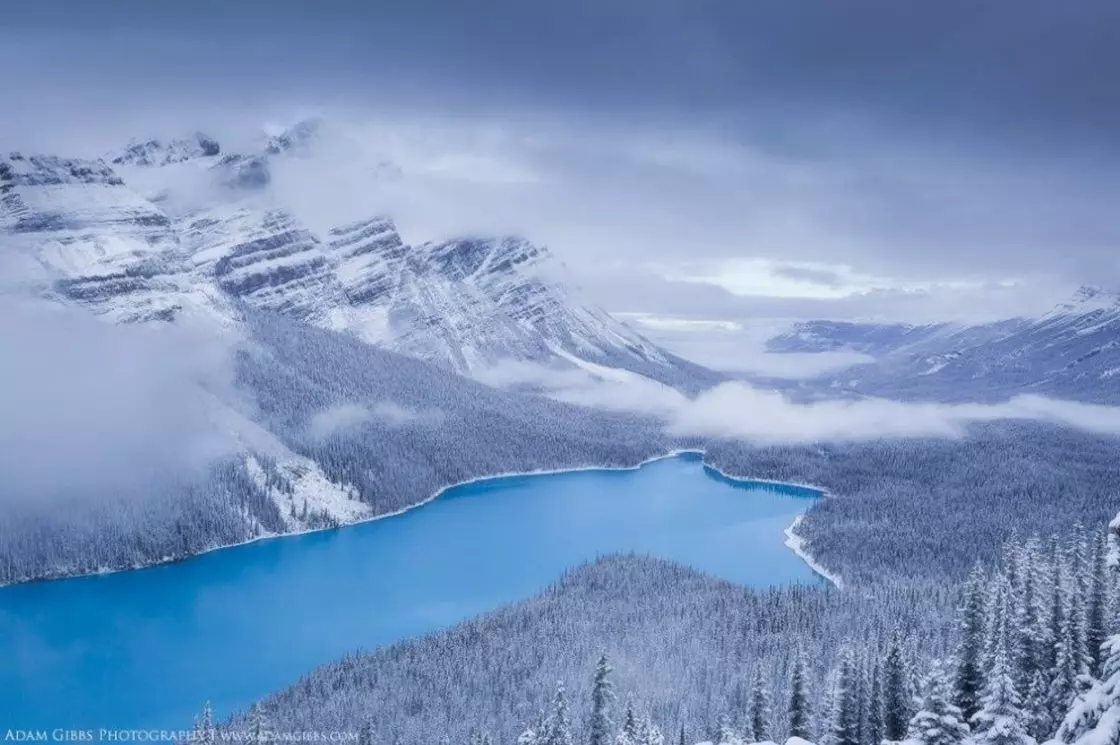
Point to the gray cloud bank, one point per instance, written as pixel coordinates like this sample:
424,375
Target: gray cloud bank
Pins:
100,411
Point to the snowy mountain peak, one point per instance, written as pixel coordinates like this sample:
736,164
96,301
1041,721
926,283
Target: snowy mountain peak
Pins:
47,170
1089,297
165,152
296,139
46,193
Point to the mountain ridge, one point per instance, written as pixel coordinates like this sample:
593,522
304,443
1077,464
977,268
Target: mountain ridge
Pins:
465,303
1072,351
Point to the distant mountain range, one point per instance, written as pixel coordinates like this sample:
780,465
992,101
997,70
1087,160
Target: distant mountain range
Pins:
1072,351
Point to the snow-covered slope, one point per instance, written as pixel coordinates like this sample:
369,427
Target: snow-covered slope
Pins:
1073,351
73,228
165,152
472,303
264,258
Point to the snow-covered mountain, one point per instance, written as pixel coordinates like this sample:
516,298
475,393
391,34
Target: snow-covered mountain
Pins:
143,253
1072,351
343,399
74,230
166,152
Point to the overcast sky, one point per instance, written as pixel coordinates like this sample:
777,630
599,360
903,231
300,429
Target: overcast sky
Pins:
684,157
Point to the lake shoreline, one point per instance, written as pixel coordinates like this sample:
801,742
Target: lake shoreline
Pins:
793,542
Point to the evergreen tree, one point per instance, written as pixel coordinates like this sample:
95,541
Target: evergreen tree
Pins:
896,693
862,698
258,725
874,733
204,733
1026,632
1000,719
844,729
639,730
759,726
800,714
557,728
1075,618
602,696
938,721
1096,610
1068,666
629,729
1057,612
970,673
1036,710
649,733
725,734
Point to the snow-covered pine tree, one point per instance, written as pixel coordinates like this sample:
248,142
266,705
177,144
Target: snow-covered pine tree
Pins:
1054,629
844,729
258,726
759,715
1026,630
874,733
1036,711
648,733
629,730
204,733
1000,719
799,711
1096,610
725,733
969,679
862,698
602,697
365,734
896,692
938,721
1069,664
557,728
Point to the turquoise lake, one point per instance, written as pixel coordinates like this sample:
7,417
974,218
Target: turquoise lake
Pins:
146,648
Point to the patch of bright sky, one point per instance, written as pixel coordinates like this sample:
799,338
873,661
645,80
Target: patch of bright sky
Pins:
738,347
760,277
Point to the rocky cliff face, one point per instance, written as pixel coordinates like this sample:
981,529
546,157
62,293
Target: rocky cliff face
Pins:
89,238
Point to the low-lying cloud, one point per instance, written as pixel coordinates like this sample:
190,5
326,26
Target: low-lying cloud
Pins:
87,403
740,411
349,417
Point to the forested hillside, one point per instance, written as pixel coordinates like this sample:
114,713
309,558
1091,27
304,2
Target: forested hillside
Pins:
647,652
327,430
